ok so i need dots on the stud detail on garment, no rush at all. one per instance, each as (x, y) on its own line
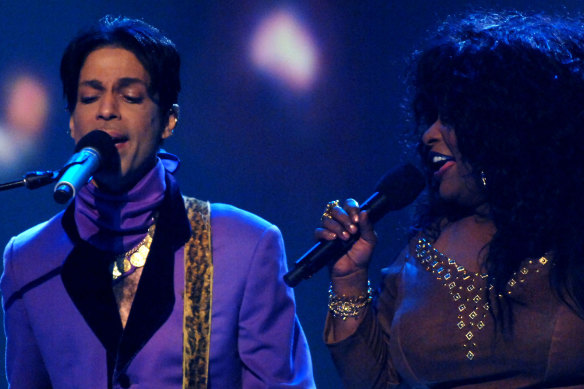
(467, 289)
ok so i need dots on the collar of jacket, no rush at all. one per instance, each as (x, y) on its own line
(88, 281)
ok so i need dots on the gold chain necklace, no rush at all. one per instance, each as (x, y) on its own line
(134, 258)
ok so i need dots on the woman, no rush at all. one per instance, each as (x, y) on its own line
(489, 291)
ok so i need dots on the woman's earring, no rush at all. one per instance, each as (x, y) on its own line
(484, 179)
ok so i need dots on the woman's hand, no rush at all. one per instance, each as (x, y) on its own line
(343, 223)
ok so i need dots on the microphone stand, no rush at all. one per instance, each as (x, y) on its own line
(32, 180)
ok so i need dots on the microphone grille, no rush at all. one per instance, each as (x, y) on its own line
(401, 186)
(102, 143)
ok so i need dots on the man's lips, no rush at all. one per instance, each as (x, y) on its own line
(118, 141)
(118, 138)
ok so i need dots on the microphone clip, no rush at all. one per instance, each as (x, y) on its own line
(32, 180)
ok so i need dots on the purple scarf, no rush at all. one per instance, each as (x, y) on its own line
(117, 223)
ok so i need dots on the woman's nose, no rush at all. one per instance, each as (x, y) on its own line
(433, 134)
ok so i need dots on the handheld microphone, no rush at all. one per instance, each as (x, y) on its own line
(94, 151)
(398, 188)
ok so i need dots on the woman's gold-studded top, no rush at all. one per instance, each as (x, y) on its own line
(468, 290)
(433, 326)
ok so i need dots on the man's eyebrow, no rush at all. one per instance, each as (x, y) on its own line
(95, 84)
(127, 81)
(121, 83)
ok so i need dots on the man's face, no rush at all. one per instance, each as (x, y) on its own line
(113, 96)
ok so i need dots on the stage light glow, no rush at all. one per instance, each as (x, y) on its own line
(24, 119)
(283, 47)
(27, 106)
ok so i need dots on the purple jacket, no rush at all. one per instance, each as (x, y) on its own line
(63, 328)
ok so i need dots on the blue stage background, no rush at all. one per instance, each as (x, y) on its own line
(242, 138)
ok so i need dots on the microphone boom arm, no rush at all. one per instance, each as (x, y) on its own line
(32, 180)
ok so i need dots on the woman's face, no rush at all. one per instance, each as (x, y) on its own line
(452, 175)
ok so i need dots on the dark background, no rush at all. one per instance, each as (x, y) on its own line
(243, 139)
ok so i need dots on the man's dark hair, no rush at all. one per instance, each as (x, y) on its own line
(155, 52)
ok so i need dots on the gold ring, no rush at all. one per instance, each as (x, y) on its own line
(328, 210)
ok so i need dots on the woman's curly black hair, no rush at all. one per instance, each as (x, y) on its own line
(511, 85)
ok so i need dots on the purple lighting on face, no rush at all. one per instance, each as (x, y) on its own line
(283, 48)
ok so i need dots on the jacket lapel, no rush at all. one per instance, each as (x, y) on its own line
(88, 281)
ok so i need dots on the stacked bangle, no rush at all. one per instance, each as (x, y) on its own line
(348, 306)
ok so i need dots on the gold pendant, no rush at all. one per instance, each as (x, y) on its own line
(138, 259)
(135, 257)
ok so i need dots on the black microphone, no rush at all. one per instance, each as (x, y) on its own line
(94, 151)
(398, 188)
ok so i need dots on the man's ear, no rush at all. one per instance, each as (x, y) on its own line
(172, 120)
(71, 126)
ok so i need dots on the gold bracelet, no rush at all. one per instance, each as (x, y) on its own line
(344, 307)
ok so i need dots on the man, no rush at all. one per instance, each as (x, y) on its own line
(124, 287)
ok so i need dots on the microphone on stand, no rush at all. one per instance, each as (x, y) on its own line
(398, 188)
(93, 152)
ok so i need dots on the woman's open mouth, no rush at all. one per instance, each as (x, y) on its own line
(439, 163)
